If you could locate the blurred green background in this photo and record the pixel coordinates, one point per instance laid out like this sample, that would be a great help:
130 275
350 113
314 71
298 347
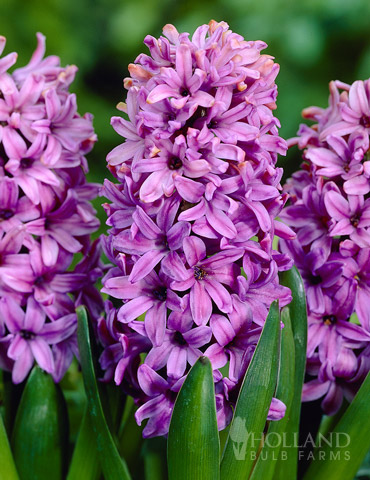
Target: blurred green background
314 41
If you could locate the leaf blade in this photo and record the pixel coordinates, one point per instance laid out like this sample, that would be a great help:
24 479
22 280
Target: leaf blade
254 401
288 467
330 461
8 470
40 434
113 466
193 452
269 456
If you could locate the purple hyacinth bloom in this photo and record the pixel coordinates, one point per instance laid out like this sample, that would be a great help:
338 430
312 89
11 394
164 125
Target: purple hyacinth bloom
45 216
329 211
192 219
31 337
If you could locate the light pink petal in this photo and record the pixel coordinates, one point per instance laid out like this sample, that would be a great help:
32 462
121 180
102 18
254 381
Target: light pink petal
35 317
184 63
22 366
49 250
200 304
146 264
194 249
336 205
359 185
314 389
358 100
150 382
17 347
155 323
160 92
219 294
134 308
12 314
42 353
222 329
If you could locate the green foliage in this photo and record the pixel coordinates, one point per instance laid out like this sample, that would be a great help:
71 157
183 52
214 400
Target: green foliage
253 402
40 434
113 466
193 447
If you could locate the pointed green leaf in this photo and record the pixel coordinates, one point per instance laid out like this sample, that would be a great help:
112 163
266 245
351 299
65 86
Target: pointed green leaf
85 462
113 466
7 466
287 467
40 434
341 455
270 453
253 403
193 449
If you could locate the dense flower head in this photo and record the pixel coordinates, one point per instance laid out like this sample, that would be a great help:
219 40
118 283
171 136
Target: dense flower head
330 212
192 219
45 215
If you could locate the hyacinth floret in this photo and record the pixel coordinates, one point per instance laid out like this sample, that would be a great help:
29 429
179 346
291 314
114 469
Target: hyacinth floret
330 212
45 215
192 219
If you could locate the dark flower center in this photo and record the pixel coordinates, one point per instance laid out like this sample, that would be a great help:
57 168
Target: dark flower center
330 319
179 339
365 121
27 335
315 279
5 214
199 273
212 124
355 221
39 280
184 92
160 293
26 163
174 163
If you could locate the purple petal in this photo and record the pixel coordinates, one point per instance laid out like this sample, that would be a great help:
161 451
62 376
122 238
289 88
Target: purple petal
200 304
194 249
150 382
198 336
134 308
146 264
176 362
155 323
222 329
42 353
22 366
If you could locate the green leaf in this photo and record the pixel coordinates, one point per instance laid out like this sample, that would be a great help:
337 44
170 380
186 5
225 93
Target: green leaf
154 457
85 463
274 439
340 456
193 448
7 466
288 465
253 403
113 466
40 434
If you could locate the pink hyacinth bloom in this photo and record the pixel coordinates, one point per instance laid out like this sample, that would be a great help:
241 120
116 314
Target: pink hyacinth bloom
330 213
193 219
45 215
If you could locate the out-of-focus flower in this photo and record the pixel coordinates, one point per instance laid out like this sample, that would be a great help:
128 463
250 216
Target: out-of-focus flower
45 215
329 211
192 219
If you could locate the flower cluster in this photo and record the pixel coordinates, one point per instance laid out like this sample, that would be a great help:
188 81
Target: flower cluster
330 212
45 215
193 219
